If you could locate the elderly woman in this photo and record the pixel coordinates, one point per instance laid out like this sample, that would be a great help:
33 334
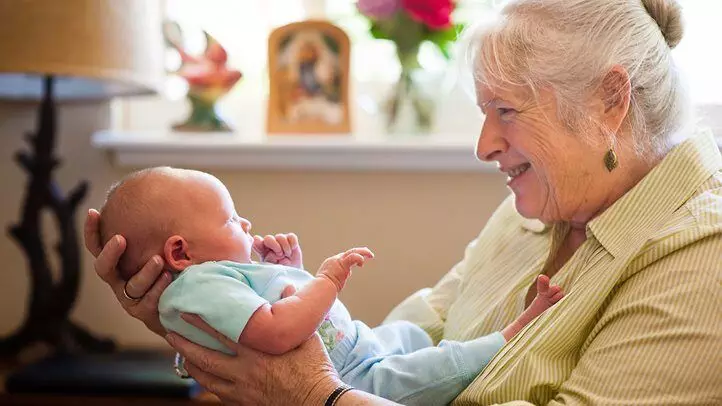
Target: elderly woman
613 198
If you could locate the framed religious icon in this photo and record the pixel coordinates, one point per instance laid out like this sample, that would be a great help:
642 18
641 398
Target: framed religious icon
308 71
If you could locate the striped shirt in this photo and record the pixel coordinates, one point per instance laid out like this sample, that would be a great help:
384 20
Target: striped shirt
641 322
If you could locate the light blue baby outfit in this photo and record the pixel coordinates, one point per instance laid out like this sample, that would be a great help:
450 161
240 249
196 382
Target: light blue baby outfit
396 361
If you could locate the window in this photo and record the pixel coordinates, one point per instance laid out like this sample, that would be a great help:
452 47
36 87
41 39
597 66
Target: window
243 26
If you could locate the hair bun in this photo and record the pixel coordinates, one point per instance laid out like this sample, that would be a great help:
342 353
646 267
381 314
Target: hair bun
668 16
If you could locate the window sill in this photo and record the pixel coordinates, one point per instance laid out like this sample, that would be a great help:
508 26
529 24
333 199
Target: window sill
307 152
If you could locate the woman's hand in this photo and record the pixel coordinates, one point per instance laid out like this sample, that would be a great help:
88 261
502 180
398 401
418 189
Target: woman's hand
147 285
304 376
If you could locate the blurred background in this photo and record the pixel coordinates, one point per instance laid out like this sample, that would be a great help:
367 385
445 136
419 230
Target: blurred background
417 222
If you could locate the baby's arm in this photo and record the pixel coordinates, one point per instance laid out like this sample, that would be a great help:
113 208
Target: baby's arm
281 327
546 296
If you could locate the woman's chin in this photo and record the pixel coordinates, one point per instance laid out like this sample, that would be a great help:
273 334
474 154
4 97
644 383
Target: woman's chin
526 207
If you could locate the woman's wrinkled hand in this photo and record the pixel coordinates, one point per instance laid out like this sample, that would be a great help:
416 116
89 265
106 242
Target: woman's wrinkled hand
147 285
304 376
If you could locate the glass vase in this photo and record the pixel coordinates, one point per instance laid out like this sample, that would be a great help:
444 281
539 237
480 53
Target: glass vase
411 105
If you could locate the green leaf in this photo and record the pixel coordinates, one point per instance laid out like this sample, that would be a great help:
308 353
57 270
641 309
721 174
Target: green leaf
378 31
445 38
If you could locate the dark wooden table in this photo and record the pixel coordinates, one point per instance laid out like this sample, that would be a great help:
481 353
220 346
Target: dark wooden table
13 399
59 400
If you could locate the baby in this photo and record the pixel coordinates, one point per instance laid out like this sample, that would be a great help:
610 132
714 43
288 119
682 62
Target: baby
188 218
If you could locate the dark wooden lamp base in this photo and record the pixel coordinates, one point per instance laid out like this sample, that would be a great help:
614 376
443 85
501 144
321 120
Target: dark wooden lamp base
47 319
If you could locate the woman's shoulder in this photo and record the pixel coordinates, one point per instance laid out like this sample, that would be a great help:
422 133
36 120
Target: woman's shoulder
706 204
692 237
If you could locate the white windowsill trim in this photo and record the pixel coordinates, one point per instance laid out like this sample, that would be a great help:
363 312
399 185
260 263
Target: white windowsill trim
303 152
306 152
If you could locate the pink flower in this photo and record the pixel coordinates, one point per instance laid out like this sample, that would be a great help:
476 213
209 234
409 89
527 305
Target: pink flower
378 9
435 14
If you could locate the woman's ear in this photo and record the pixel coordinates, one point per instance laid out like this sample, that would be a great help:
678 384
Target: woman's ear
176 255
615 93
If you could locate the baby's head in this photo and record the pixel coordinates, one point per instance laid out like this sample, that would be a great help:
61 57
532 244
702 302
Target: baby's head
187 217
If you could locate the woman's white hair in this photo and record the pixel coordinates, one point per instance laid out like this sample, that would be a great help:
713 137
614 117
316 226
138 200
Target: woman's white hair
571 45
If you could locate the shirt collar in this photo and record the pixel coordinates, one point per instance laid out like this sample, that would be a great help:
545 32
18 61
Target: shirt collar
662 191
534 225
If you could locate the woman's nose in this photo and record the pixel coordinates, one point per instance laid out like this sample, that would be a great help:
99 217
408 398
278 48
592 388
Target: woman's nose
490 142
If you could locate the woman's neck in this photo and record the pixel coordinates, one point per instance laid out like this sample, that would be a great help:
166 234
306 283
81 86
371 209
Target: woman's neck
625 181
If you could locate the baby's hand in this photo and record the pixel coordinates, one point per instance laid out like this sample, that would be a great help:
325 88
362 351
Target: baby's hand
545 298
280 249
338 268
546 295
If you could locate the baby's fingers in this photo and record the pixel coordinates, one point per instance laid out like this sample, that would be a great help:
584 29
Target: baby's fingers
553 290
258 245
292 240
270 242
364 252
542 285
557 296
282 240
352 259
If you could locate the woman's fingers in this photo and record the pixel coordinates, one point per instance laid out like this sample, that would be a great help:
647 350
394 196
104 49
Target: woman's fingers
210 361
218 386
142 281
201 324
91 232
108 259
153 295
289 290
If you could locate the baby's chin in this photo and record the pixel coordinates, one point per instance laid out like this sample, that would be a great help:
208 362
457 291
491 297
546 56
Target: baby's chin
243 258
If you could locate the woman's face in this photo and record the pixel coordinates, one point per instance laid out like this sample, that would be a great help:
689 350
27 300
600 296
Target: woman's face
554 174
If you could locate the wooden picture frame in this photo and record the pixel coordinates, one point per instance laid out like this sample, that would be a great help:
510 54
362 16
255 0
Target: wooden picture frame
309 77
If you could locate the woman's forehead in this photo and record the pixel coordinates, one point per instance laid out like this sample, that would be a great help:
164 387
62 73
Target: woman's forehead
487 93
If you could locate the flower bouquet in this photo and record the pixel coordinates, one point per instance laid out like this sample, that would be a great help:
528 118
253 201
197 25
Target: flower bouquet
408 24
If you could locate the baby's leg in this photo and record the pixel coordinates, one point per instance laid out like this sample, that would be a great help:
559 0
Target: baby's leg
546 297
429 375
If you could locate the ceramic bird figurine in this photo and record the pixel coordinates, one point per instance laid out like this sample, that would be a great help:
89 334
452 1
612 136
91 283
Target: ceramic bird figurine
208 80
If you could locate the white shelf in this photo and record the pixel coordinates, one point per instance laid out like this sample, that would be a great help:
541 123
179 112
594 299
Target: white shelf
307 152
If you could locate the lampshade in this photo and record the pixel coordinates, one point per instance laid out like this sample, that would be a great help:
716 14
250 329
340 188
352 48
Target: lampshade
95 49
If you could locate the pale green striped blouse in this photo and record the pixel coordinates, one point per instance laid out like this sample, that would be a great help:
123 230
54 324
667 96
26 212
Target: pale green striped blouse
641 323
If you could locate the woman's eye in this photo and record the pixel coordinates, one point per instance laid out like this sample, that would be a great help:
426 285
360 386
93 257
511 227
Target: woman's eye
506 114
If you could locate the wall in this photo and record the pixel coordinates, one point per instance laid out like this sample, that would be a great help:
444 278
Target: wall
418 224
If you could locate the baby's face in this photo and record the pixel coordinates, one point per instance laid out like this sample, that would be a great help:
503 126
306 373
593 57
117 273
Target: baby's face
214 230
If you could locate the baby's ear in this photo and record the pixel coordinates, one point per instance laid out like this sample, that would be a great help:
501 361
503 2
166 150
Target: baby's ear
175 252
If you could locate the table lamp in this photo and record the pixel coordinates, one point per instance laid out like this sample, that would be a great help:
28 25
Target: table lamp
54 51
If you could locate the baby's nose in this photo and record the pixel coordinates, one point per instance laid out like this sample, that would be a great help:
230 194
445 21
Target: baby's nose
246 225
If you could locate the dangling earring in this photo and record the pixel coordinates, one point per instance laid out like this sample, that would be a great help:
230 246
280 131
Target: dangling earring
610 159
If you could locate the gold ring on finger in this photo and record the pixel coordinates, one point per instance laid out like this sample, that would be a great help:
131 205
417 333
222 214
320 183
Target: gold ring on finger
129 297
